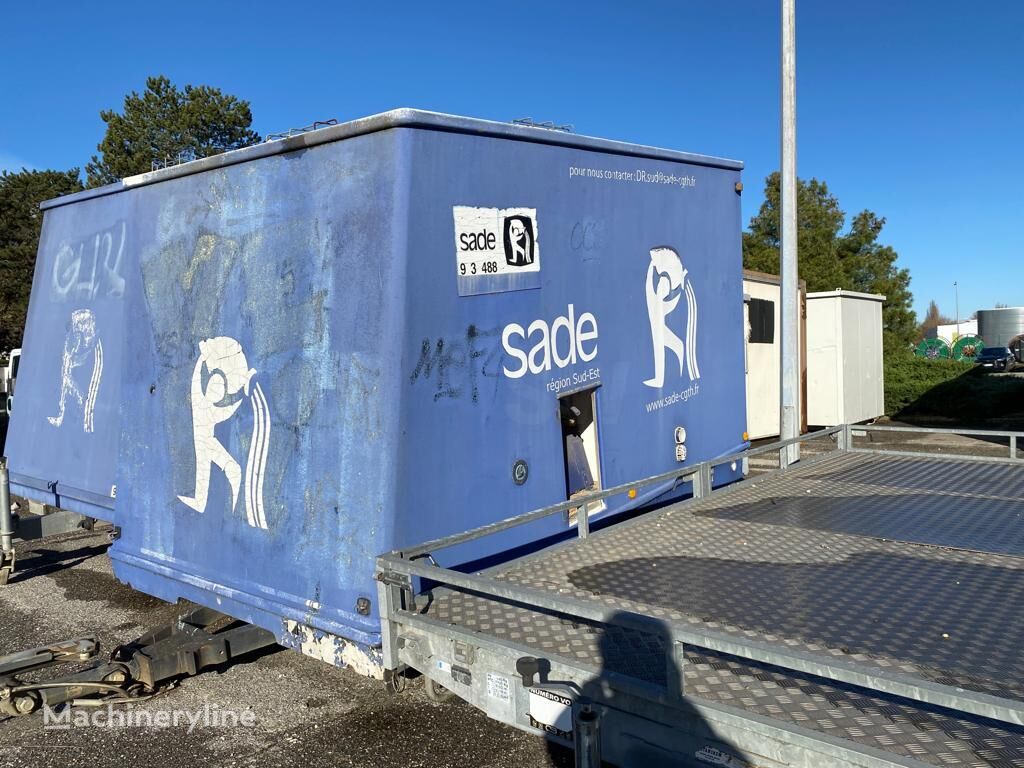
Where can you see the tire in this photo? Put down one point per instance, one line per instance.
(436, 692)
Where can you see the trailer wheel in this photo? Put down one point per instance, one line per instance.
(436, 692)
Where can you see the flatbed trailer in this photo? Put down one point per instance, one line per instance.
(860, 608)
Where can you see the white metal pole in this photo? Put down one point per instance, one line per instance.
(790, 416)
(956, 289)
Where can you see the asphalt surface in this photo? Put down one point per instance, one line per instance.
(939, 443)
(306, 712)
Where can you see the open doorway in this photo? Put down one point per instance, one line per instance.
(580, 446)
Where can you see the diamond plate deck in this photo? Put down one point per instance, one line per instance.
(905, 563)
(963, 505)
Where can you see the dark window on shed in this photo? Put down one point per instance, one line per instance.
(762, 321)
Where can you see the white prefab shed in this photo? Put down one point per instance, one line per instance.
(844, 358)
(762, 302)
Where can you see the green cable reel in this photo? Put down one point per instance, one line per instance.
(967, 347)
(933, 349)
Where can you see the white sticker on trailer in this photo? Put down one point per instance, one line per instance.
(498, 687)
(551, 712)
(495, 241)
(715, 756)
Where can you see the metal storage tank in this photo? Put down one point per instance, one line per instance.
(998, 327)
(845, 377)
(270, 366)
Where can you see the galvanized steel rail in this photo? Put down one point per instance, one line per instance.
(701, 475)
(1013, 437)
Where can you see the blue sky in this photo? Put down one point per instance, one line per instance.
(912, 109)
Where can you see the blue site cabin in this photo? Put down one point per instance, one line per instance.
(271, 365)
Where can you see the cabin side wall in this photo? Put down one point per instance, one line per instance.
(64, 430)
(488, 355)
(262, 396)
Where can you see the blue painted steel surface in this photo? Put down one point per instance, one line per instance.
(303, 387)
(62, 442)
(467, 421)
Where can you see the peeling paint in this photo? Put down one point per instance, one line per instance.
(332, 649)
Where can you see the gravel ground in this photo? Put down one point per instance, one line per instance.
(306, 712)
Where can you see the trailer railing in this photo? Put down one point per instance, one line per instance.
(1012, 440)
(701, 475)
(396, 571)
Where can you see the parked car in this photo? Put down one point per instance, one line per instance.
(995, 359)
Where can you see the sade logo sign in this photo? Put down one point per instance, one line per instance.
(520, 242)
(495, 241)
(565, 341)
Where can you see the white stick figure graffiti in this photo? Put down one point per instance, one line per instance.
(221, 380)
(666, 283)
(81, 346)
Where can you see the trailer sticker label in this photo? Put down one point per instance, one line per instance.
(498, 687)
(462, 675)
(716, 756)
(495, 241)
(667, 282)
(221, 380)
(82, 347)
(551, 712)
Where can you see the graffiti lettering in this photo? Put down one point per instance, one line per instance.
(91, 267)
(442, 361)
(456, 365)
(587, 235)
